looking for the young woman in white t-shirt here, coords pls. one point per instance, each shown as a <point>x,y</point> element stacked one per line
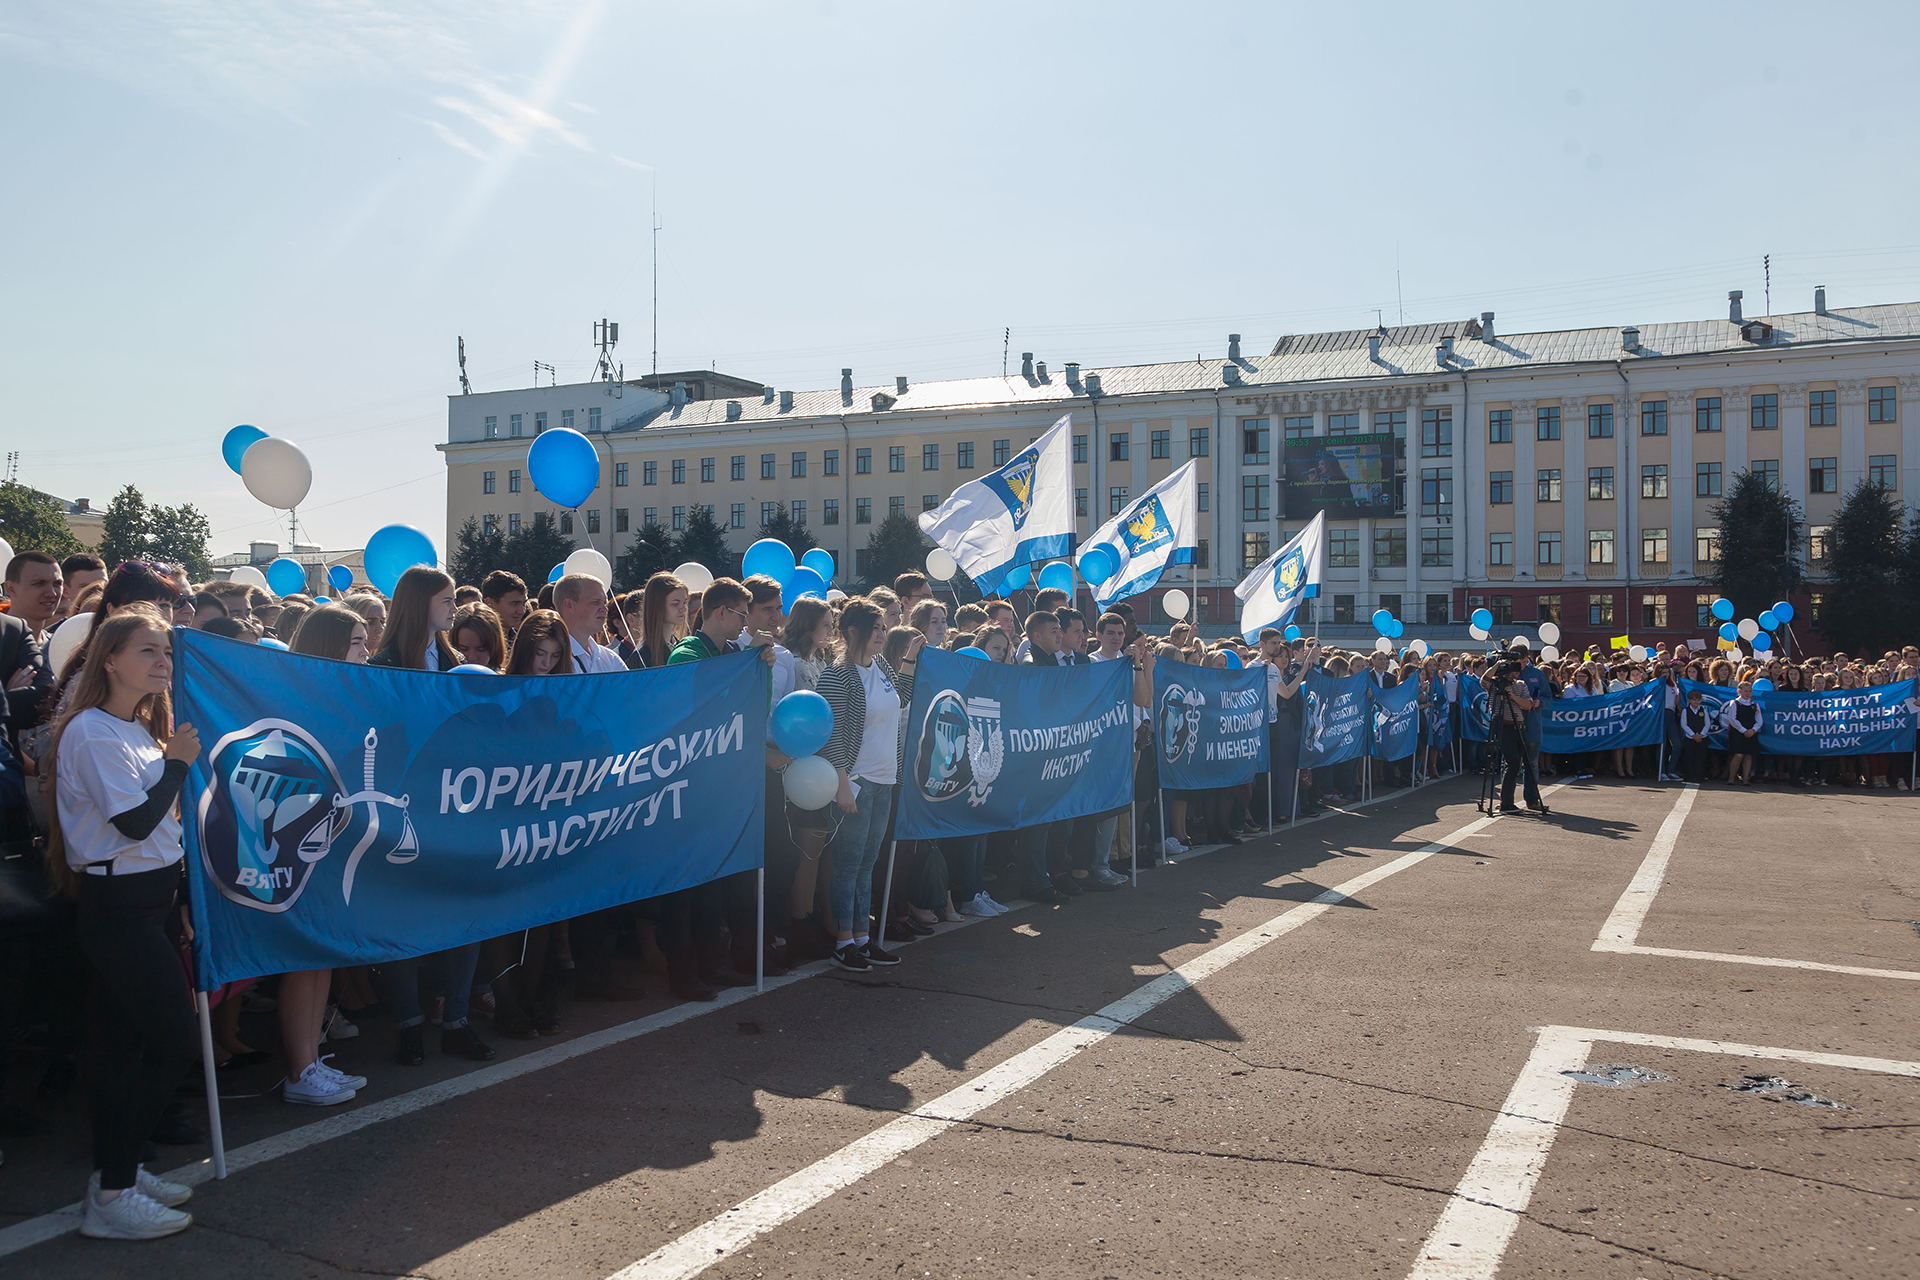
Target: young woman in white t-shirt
<point>117,765</point>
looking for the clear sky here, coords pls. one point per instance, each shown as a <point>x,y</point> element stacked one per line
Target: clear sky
<point>223,211</point>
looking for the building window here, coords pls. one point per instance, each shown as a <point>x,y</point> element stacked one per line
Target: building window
<point>1546,423</point>
<point>1822,409</point>
<point>1436,491</point>
<point>1653,417</point>
<point>566,419</point>
<point>1391,421</point>
<point>1002,450</point>
<point>1706,544</point>
<point>566,522</point>
<point>737,467</point>
<point>1436,433</point>
<point>1342,610</point>
<point>1206,496</point>
<point>1436,548</point>
<point>1254,548</point>
<point>513,481</point>
<point>593,519</point>
<point>1706,413</point>
<point>929,457</point>
<point>489,524</point>
<point>1823,475</point>
<point>1119,447</point>
<point>830,463</point>
<point>1253,500</point>
<point>1769,473</point>
<point>1343,424</point>
<point>1200,554</point>
<point>1438,609</point>
<point>1653,610</point>
<point>863,510</point>
<point>1763,412</point>
<point>1653,546</point>
<point>1599,546</point>
<point>963,455</point>
<point>650,515</point>
<point>1343,548</point>
<point>593,419</point>
<point>1883,404</point>
<point>1703,610</point>
<point>493,428</point>
<point>1706,479</point>
<point>928,501</point>
<point>1883,471</point>
<point>1296,428</point>
<point>1600,422</point>
<point>896,458</point>
<point>706,471</point>
<point>649,473</point>
<point>620,475</point>
<point>1116,499</point>
<point>1391,603</point>
<point>800,512</point>
<point>679,519</point>
<point>486,482</point>
<point>1254,442</point>
<point>679,470</point>
<point>830,511</point>
<point>1547,608</point>
<point>1199,442</point>
<point>1500,488</point>
<point>1653,480</point>
<point>539,423</point>
<point>1600,610</point>
<point>1815,599</point>
<point>1599,484</point>
<point>1501,607</point>
<point>1819,542</point>
<point>1389,548</point>
<point>1500,548</point>
<point>516,424</point>
<point>1547,548</point>
<point>737,516</point>
<point>896,506</point>
<point>1499,426</point>
<point>769,467</point>
<point>767,512</point>
<point>1549,485</point>
<point>797,466</point>
<point>1079,502</point>
<point>1161,444</point>
<point>513,523</point>
<point>1079,448</point>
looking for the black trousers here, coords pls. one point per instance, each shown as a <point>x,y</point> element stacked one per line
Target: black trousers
<point>1517,765</point>
<point>1693,759</point>
<point>141,1038</point>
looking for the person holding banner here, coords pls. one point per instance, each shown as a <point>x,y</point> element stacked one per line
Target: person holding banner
<point>1741,719</point>
<point>118,764</point>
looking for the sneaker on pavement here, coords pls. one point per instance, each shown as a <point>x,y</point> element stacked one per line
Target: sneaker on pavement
<point>999,907</point>
<point>974,907</point>
<point>337,1026</point>
<point>170,1194</point>
<point>1173,846</point>
<point>874,954</point>
<point>848,957</point>
<point>131,1215</point>
<point>316,1087</point>
<point>1106,876</point>
<point>340,1077</point>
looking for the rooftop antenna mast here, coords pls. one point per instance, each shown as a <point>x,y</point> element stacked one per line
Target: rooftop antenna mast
<point>466,388</point>
<point>1766,265</point>
<point>656,275</point>
<point>1006,345</point>
<point>553,379</point>
<point>13,466</point>
<point>606,336</point>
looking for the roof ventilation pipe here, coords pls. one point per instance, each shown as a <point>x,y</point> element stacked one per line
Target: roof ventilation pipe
<point>679,396</point>
<point>1026,364</point>
<point>1819,299</point>
<point>1445,351</point>
<point>1040,370</point>
<point>1486,326</point>
<point>1073,373</point>
<point>1093,385</point>
<point>1230,372</point>
<point>1733,304</point>
<point>1233,346</point>
<point>766,395</point>
<point>786,401</point>
<point>900,385</point>
<point>846,384</point>
<point>1630,339</point>
<point>1373,348</point>
<point>733,411</point>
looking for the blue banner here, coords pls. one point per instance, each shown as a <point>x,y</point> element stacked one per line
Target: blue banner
<point>1335,728</point>
<point>1713,700</point>
<point>998,747</point>
<point>1876,720</point>
<point>1437,724</point>
<point>1473,709</point>
<point>1634,717</point>
<point>1210,725</point>
<point>1393,721</point>
<point>342,814</point>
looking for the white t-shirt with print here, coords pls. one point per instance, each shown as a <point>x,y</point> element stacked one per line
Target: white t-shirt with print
<point>879,758</point>
<point>105,766</point>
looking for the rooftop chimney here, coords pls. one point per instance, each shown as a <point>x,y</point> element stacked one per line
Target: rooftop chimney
<point>1230,372</point>
<point>1819,299</point>
<point>786,402</point>
<point>766,395</point>
<point>1073,373</point>
<point>1486,326</point>
<point>1093,385</point>
<point>1446,349</point>
<point>1233,346</point>
<point>1733,304</point>
<point>679,396</point>
<point>1373,348</point>
<point>900,385</point>
<point>1629,339</point>
<point>1026,364</point>
<point>1040,370</point>
<point>733,411</point>
<point>846,384</point>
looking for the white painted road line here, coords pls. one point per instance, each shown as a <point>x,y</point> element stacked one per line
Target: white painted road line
<point>731,1232</point>
<point>1478,1223</point>
<point>1621,932</point>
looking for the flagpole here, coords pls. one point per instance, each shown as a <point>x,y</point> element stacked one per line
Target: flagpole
<point>213,1085</point>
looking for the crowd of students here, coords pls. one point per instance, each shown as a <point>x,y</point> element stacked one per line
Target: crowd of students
<point>93,924</point>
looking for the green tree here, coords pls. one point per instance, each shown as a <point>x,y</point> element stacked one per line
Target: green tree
<point>534,550</point>
<point>35,521</point>
<point>705,542</point>
<point>178,535</point>
<point>1865,609</point>
<point>1759,545</point>
<point>896,546</point>
<point>476,553</point>
<point>124,533</point>
<point>798,537</point>
<point>653,549</point>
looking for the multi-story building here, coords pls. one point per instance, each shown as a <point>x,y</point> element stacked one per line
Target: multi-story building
<point>1564,476</point>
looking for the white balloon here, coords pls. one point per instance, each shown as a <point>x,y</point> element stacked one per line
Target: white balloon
<point>941,565</point>
<point>835,594</point>
<point>1749,628</point>
<point>1419,647</point>
<point>1392,665</point>
<point>587,560</point>
<point>1477,633</point>
<point>248,574</point>
<point>1176,604</point>
<point>6,553</point>
<point>1521,642</point>
<point>66,638</point>
<point>276,472</point>
<point>811,782</point>
<point>1382,645</point>
<point>695,575</point>
<point>1549,633</point>
<point>1638,652</point>
<point>1549,653</point>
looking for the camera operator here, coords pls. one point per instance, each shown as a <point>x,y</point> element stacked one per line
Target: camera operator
<point>1510,704</point>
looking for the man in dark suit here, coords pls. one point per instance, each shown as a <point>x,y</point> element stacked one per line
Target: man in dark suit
<point>33,591</point>
<point>1395,773</point>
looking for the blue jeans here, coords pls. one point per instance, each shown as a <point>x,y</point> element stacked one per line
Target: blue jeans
<point>404,975</point>
<point>966,865</point>
<point>856,849</point>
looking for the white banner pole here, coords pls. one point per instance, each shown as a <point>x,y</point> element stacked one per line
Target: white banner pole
<point>760,929</point>
<point>1160,797</point>
<point>213,1085</point>
<point>886,895</point>
<point>1133,840</point>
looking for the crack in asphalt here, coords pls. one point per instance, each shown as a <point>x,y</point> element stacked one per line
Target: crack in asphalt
<point>204,1225</point>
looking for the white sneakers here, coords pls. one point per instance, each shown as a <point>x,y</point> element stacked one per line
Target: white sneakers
<point>337,1026</point>
<point>1107,875</point>
<point>321,1086</point>
<point>981,905</point>
<point>1173,846</point>
<point>143,1211</point>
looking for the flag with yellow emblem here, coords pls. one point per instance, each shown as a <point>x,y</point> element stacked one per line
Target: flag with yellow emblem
<point>1020,514</point>
<point>1270,594</point>
<point>1160,528</point>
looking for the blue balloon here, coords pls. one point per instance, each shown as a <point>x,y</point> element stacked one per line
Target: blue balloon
<point>820,560</point>
<point>472,669</point>
<point>339,577</point>
<point>1768,620</point>
<point>972,651</point>
<point>801,583</point>
<point>394,550</point>
<point>558,572</point>
<point>323,600</point>
<point>774,559</point>
<point>1761,642</point>
<point>1233,660</point>
<point>233,446</point>
<point>1382,621</point>
<point>1017,579</point>
<point>1763,685</point>
<point>802,722</point>
<point>286,576</point>
<point>1483,619</point>
<point>1291,634</point>
<point>269,642</point>
<point>1098,563</point>
<point>1396,629</point>
<point>1729,632</point>
<point>1058,576</point>
<point>564,466</point>
<point>1783,611</point>
<point>1723,609</point>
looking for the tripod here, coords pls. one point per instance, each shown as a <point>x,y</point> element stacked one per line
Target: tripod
<point>1506,749</point>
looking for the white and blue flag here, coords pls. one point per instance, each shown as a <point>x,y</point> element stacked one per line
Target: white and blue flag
<point>1161,528</point>
<point>1270,594</point>
<point>1021,513</point>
